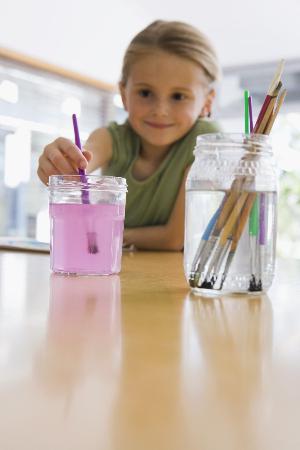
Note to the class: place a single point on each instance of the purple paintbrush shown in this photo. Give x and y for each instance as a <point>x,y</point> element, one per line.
<point>91,235</point>
<point>84,192</point>
<point>262,235</point>
<point>250,113</point>
<point>262,212</point>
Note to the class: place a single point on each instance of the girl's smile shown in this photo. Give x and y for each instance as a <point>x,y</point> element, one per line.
<point>158,125</point>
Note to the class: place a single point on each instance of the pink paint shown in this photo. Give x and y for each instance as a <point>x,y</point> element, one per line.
<point>71,226</point>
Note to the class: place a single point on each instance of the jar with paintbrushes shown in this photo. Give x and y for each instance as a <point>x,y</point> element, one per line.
<point>231,205</point>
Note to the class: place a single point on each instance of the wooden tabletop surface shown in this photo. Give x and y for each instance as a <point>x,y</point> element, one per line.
<point>136,362</point>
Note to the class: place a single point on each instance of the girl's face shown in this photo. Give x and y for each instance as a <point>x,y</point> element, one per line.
<point>164,95</point>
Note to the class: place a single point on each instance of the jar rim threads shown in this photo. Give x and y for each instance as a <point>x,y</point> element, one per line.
<point>91,182</point>
<point>252,143</point>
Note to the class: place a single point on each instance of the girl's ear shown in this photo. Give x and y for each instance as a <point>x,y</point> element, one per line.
<point>207,107</point>
<point>123,94</point>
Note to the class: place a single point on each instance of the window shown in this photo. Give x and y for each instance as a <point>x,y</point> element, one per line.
<point>35,108</point>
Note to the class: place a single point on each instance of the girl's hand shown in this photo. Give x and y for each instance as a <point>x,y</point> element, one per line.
<point>62,157</point>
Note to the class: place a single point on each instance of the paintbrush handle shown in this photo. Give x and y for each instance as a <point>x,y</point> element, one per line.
<point>250,113</point>
<point>235,213</point>
<point>237,233</point>
<point>277,77</point>
<point>275,112</point>
<point>253,219</point>
<point>266,117</point>
<point>227,207</point>
<point>267,109</point>
<point>242,220</point>
<point>83,178</point>
<point>262,218</point>
<point>262,112</point>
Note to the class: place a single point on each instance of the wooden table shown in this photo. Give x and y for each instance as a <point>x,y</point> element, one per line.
<point>135,362</point>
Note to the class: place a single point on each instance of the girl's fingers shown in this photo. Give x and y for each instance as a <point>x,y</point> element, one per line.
<point>71,151</point>
<point>87,154</point>
<point>62,157</point>
<point>46,169</point>
<point>58,160</point>
<point>42,176</point>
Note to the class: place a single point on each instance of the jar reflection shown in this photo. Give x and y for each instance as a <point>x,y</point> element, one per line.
<point>83,333</point>
<point>228,345</point>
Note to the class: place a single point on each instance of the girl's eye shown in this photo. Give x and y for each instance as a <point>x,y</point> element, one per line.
<point>144,93</point>
<point>178,96</point>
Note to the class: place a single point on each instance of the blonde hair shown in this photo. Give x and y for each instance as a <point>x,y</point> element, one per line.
<point>177,38</point>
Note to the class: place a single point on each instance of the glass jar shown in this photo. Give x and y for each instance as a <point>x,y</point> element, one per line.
<point>86,223</point>
<point>231,215</point>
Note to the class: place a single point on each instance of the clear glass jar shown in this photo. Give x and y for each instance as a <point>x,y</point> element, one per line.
<point>231,215</point>
<point>86,223</point>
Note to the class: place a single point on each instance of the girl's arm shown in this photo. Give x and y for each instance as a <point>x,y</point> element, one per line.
<point>99,144</point>
<point>162,237</point>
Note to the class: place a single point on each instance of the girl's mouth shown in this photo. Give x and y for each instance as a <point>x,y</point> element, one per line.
<point>158,125</point>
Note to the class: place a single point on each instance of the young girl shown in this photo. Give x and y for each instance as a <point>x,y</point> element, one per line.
<point>167,88</point>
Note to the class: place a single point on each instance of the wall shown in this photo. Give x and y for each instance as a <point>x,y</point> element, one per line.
<point>88,37</point>
<point>91,36</point>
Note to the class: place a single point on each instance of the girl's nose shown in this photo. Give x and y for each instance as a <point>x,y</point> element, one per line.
<point>161,107</point>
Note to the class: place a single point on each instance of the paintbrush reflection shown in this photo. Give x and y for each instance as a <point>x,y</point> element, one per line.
<point>228,345</point>
<point>84,333</point>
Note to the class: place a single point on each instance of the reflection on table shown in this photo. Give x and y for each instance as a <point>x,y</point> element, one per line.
<point>83,332</point>
<point>229,342</point>
<point>136,361</point>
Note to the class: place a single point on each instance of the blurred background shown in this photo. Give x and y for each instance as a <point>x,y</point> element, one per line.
<point>58,57</point>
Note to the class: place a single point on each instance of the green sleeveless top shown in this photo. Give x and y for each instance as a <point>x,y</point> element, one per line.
<point>150,201</point>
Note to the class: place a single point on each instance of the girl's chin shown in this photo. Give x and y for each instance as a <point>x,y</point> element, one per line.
<point>159,139</point>
<point>160,143</point>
